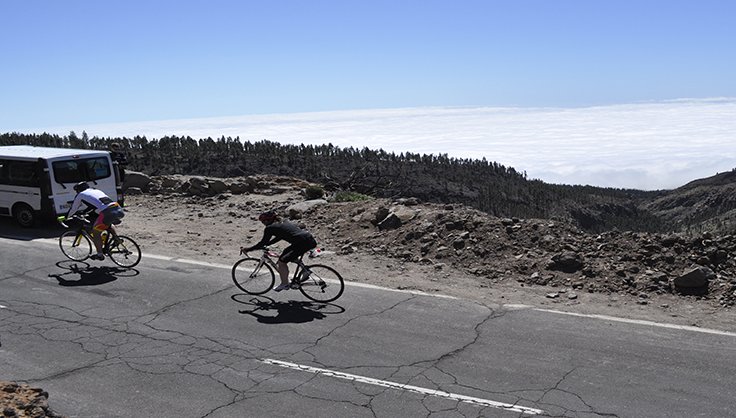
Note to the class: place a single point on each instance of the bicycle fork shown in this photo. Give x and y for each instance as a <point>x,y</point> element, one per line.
<point>257,269</point>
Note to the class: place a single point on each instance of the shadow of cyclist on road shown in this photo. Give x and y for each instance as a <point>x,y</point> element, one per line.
<point>292,311</point>
<point>82,274</point>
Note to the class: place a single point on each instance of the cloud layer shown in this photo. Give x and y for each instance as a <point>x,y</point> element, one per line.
<point>648,146</point>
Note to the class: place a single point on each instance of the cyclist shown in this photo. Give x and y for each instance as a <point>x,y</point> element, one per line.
<point>108,212</point>
<point>276,230</point>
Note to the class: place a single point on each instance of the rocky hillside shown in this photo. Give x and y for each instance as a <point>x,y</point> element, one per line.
<point>533,251</point>
<point>493,249</point>
<point>707,204</point>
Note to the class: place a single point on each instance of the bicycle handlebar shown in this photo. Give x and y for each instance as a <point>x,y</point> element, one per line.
<point>266,250</point>
<point>62,219</point>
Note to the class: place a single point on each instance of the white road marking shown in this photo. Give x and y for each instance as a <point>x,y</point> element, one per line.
<point>158,257</point>
<point>517,306</point>
<point>369,286</point>
<point>46,240</point>
<point>410,388</point>
<point>352,284</point>
<point>642,322</point>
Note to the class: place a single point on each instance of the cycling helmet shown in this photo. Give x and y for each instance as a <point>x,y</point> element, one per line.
<point>81,186</point>
<point>269,216</point>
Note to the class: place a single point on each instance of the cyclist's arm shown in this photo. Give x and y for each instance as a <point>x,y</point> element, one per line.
<point>76,205</point>
<point>83,208</point>
<point>267,240</point>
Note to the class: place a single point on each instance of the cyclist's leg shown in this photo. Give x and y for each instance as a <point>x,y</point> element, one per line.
<point>97,229</point>
<point>294,252</point>
<point>282,265</point>
<point>283,270</point>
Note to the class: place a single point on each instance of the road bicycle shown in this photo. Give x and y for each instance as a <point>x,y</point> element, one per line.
<point>76,243</point>
<point>317,282</point>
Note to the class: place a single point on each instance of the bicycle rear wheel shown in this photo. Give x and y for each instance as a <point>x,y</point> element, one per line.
<point>252,276</point>
<point>124,251</point>
<point>322,284</point>
<point>76,245</point>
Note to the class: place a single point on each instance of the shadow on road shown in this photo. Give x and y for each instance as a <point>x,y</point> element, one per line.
<point>288,312</point>
<point>10,229</point>
<point>80,273</point>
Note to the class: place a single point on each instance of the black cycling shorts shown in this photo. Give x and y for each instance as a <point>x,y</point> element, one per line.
<point>297,249</point>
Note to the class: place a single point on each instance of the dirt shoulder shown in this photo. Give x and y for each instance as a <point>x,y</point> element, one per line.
<point>213,229</point>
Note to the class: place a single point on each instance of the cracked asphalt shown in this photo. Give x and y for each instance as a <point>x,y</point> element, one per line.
<point>174,339</point>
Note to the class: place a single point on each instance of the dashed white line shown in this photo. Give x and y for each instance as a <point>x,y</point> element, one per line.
<point>410,388</point>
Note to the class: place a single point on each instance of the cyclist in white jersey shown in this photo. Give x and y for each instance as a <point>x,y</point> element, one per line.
<point>108,212</point>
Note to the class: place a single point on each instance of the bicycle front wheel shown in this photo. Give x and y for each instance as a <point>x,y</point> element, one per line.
<point>124,252</point>
<point>76,245</point>
<point>252,276</point>
<point>322,284</point>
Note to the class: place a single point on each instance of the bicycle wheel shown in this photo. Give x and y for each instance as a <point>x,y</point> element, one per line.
<point>124,252</point>
<point>76,245</point>
<point>322,284</point>
<point>252,276</point>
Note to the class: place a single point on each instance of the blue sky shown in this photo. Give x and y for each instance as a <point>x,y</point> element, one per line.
<point>79,64</point>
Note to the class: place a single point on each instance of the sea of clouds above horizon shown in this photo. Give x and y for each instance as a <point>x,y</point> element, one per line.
<point>648,146</point>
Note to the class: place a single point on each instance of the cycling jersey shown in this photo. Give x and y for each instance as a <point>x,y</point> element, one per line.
<point>301,241</point>
<point>109,211</point>
<point>92,199</point>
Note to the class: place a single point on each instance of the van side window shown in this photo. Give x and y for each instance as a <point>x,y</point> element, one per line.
<point>18,173</point>
<point>3,174</point>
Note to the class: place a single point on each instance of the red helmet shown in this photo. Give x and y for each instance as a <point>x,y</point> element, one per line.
<point>269,216</point>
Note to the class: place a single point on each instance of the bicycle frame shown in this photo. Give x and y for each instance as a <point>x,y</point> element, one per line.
<point>77,244</point>
<point>267,258</point>
<point>108,236</point>
<point>317,282</point>
<point>107,240</point>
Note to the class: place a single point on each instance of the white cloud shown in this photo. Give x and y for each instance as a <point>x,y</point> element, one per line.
<point>644,145</point>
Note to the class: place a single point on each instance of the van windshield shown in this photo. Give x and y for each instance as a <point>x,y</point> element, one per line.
<point>74,171</point>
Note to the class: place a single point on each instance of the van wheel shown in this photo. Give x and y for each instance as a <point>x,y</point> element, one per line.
<point>24,215</point>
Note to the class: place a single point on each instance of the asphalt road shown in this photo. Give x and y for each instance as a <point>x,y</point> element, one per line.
<point>176,339</point>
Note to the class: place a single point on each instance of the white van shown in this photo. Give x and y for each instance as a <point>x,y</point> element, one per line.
<point>39,181</point>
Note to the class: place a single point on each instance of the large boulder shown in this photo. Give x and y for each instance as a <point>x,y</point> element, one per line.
<point>200,186</point>
<point>136,179</point>
<point>694,278</point>
<point>392,221</point>
<point>171,182</point>
<point>404,213</point>
<point>567,261</point>
<point>297,210</point>
<point>241,187</point>
<point>217,186</point>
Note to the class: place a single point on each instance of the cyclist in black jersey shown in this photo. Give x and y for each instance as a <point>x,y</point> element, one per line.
<point>276,230</point>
